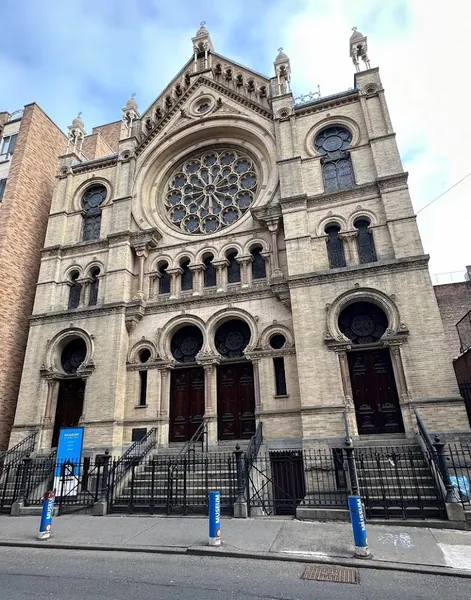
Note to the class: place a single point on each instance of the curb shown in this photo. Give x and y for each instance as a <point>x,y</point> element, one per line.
<point>221,553</point>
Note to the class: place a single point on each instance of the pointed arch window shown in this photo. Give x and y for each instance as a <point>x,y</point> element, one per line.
<point>332,144</point>
<point>75,291</point>
<point>164,279</point>
<point>259,268</point>
<point>365,241</point>
<point>210,272</point>
<point>94,283</point>
<point>186,276</point>
<point>233,269</point>
<point>92,200</point>
<point>335,249</point>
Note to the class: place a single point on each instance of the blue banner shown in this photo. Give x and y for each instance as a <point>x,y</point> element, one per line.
<point>358,522</point>
<point>69,455</point>
<point>214,518</point>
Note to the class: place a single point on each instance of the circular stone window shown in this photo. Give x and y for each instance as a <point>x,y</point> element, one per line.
<point>277,341</point>
<point>144,355</point>
<point>186,344</point>
<point>73,355</point>
<point>332,141</point>
<point>211,191</point>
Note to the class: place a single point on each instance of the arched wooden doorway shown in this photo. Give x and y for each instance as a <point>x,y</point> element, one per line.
<point>71,389</point>
<point>186,385</point>
<point>235,382</point>
<point>371,373</point>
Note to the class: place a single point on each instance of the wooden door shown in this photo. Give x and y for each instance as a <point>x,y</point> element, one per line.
<point>289,486</point>
<point>374,392</point>
<point>69,406</point>
<point>186,403</point>
<point>236,401</point>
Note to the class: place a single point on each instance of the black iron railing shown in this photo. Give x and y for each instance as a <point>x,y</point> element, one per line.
<point>463,328</point>
<point>254,444</point>
<point>458,457</point>
<point>133,455</point>
<point>15,454</point>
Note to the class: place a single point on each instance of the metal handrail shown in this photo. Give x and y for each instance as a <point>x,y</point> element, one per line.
<point>255,443</point>
<point>18,451</point>
<point>131,457</point>
<point>430,452</point>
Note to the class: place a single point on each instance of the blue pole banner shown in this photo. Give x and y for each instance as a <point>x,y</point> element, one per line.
<point>359,526</point>
<point>69,455</point>
<point>46,516</point>
<point>214,518</point>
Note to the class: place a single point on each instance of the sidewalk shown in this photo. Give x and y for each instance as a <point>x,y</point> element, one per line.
<point>394,547</point>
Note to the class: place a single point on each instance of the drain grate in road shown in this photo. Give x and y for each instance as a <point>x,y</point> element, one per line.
<point>331,573</point>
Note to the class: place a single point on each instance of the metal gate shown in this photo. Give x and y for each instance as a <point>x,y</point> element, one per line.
<point>398,483</point>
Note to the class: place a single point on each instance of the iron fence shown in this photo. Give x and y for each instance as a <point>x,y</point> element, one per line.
<point>278,482</point>
<point>176,484</point>
<point>458,460</point>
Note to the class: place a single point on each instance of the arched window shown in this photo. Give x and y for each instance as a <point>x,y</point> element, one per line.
<point>259,269</point>
<point>186,277</point>
<point>210,272</point>
<point>144,356</point>
<point>93,297</point>
<point>92,201</point>
<point>73,355</point>
<point>365,241</point>
<point>335,250</point>
<point>332,144</point>
<point>233,269</point>
<point>75,291</point>
<point>363,322</point>
<point>277,342</point>
<point>164,279</point>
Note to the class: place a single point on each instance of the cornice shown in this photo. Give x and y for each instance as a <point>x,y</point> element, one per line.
<point>70,316</point>
<point>255,107</point>
<point>324,103</point>
<point>95,165</point>
<point>392,266</point>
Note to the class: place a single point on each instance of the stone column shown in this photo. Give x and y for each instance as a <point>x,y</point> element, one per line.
<point>401,384</point>
<point>84,291</point>
<point>347,392</point>
<point>245,274</point>
<point>175,275</point>
<point>273,225</point>
<point>350,247</point>
<point>47,420</point>
<point>164,403</point>
<point>142,253</point>
<point>221,274</point>
<point>197,270</point>
<point>256,383</point>
<point>209,364</point>
<point>266,255</point>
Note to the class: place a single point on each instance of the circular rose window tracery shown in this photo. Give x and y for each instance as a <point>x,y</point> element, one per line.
<point>211,190</point>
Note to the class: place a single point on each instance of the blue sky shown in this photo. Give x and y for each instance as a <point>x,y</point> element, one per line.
<point>89,56</point>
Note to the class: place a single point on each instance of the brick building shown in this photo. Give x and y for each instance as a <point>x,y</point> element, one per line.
<point>232,256</point>
<point>30,144</point>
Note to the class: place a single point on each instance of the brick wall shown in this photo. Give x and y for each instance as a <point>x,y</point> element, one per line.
<point>22,228</point>
<point>454,301</point>
<point>111,132</point>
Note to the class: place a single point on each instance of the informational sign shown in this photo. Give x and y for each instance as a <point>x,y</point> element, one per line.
<point>214,518</point>
<point>46,516</point>
<point>358,525</point>
<point>69,455</point>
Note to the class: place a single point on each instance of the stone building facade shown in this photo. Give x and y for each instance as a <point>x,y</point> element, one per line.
<point>236,256</point>
<point>30,144</point>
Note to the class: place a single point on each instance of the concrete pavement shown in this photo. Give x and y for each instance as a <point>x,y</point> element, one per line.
<point>397,547</point>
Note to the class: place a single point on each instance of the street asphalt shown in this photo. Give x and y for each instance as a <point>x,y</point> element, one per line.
<point>30,573</point>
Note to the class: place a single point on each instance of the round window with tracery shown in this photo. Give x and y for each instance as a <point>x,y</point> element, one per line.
<point>211,190</point>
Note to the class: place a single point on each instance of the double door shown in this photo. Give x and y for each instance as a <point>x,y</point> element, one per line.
<point>236,401</point>
<point>186,403</point>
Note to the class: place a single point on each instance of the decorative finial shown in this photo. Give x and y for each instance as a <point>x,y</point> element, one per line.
<point>280,49</point>
<point>203,23</point>
<point>80,114</point>
<point>354,28</point>
<point>133,95</point>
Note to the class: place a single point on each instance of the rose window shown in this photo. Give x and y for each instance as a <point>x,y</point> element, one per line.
<point>211,191</point>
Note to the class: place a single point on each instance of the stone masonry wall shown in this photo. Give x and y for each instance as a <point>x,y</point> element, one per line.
<point>454,301</point>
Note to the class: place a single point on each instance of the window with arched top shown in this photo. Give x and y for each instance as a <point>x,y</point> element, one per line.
<point>365,241</point>
<point>186,276</point>
<point>164,279</point>
<point>332,144</point>
<point>335,249</point>
<point>92,201</point>
<point>94,283</point>
<point>259,269</point>
<point>233,268</point>
<point>209,272</point>
<point>75,291</point>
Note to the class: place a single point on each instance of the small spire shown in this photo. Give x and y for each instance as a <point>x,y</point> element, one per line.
<point>359,49</point>
<point>202,40</point>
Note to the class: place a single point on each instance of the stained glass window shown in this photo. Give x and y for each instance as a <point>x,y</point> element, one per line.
<point>332,143</point>
<point>210,272</point>
<point>75,291</point>
<point>335,250</point>
<point>233,269</point>
<point>259,269</point>
<point>92,201</point>
<point>365,242</point>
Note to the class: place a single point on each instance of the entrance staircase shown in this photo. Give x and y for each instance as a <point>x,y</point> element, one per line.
<point>177,480</point>
<point>397,482</point>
